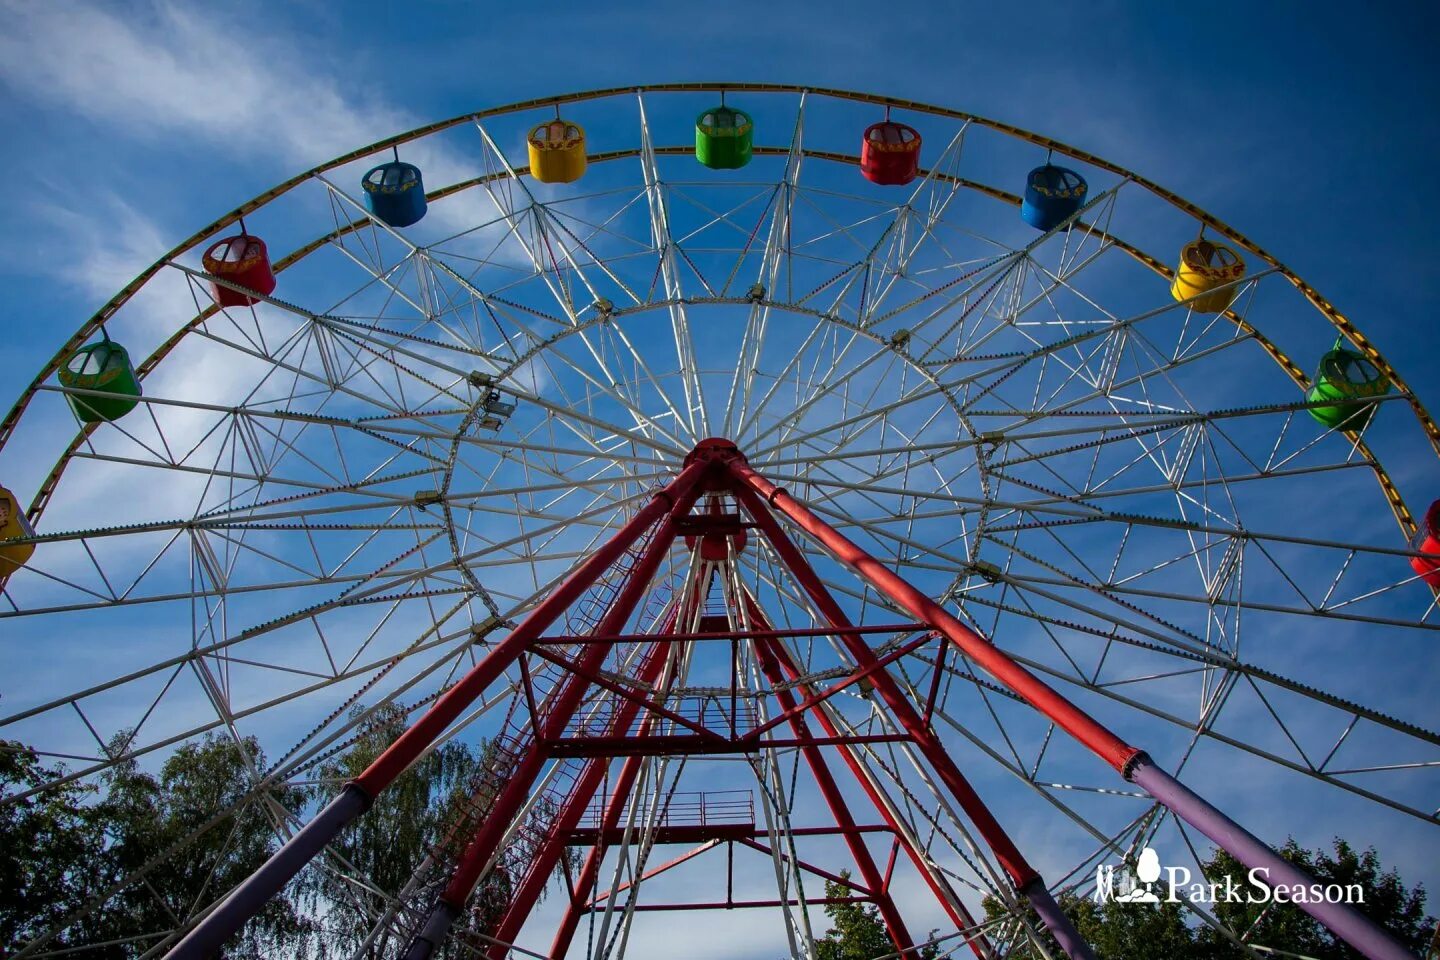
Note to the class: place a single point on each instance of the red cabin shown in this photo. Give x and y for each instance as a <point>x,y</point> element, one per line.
<point>243,261</point>
<point>1428,541</point>
<point>890,153</point>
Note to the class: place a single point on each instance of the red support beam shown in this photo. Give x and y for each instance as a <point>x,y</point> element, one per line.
<point>826,875</point>
<point>482,848</point>
<point>614,809</point>
<point>1010,858</point>
<point>213,930</point>
<point>944,895</point>
<point>403,751</point>
<point>484,844</point>
<point>834,799</point>
<point>856,676</point>
<point>582,792</point>
<point>1026,880</point>
<point>1034,691</point>
<point>670,864</point>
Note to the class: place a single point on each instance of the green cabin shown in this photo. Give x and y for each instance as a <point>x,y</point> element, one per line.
<point>1350,380</point>
<point>105,367</point>
<point>724,138</point>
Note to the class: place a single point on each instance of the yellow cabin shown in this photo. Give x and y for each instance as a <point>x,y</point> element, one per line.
<point>557,151</point>
<point>13,524</point>
<point>1204,266</point>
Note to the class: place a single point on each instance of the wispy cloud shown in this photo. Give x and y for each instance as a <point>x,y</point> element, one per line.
<point>168,69</point>
<point>97,249</point>
<point>162,74</point>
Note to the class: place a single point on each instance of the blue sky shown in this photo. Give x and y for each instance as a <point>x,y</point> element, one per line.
<point>133,124</point>
<point>1311,133</point>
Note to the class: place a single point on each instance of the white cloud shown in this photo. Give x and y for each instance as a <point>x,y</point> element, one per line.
<point>100,248</point>
<point>165,73</point>
<point>171,69</point>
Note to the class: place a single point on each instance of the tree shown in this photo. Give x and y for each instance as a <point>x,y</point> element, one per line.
<point>144,816</point>
<point>50,841</point>
<point>857,932</point>
<point>66,845</point>
<point>74,841</point>
<point>1132,931</point>
<point>395,835</point>
<point>1388,902</point>
<point>1117,931</point>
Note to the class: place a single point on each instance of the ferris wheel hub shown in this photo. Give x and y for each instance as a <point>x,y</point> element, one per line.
<point>714,449</point>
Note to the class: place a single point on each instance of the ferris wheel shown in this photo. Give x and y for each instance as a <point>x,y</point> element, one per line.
<point>778,482</point>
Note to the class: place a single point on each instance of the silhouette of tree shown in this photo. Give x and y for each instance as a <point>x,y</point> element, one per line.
<point>1146,931</point>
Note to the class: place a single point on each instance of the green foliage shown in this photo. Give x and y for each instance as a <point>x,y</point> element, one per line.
<point>72,845</point>
<point>48,840</point>
<point>856,931</point>
<point>397,832</point>
<point>1131,931</point>
<point>146,816</point>
<point>1387,901</point>
<point>1139,931</point>
<point>72,842</point>
<point>1117,931</point>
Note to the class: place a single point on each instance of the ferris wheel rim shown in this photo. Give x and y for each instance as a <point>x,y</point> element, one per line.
<point>1405,518</point>
<point>1342,324</point>
<point>655,304</point>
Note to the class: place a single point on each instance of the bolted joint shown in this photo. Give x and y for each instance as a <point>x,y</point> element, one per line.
<point>714,450</point>
<point>1127,769</point>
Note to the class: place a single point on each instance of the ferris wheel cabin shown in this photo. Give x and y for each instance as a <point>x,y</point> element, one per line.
<point>890,153</point>
<point>1428,541</point>
<point>1052,196</point>
<point>103,368</point>
<point>13,525</point>
<point>557,151</point>
<point>243,261</point>
<point>724,138</point>
<point>1347,383</point>
<point>1207,273</point>
<point>395,193</point>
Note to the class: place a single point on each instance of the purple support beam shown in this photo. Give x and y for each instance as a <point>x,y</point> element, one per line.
<point>246,900</point>
<point>1056,922</point>
<point>1349,924</point>
<point>433,934</point>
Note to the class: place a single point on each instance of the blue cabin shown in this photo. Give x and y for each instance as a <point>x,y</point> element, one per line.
<point>1052,195</point>
<point>395,193</point>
